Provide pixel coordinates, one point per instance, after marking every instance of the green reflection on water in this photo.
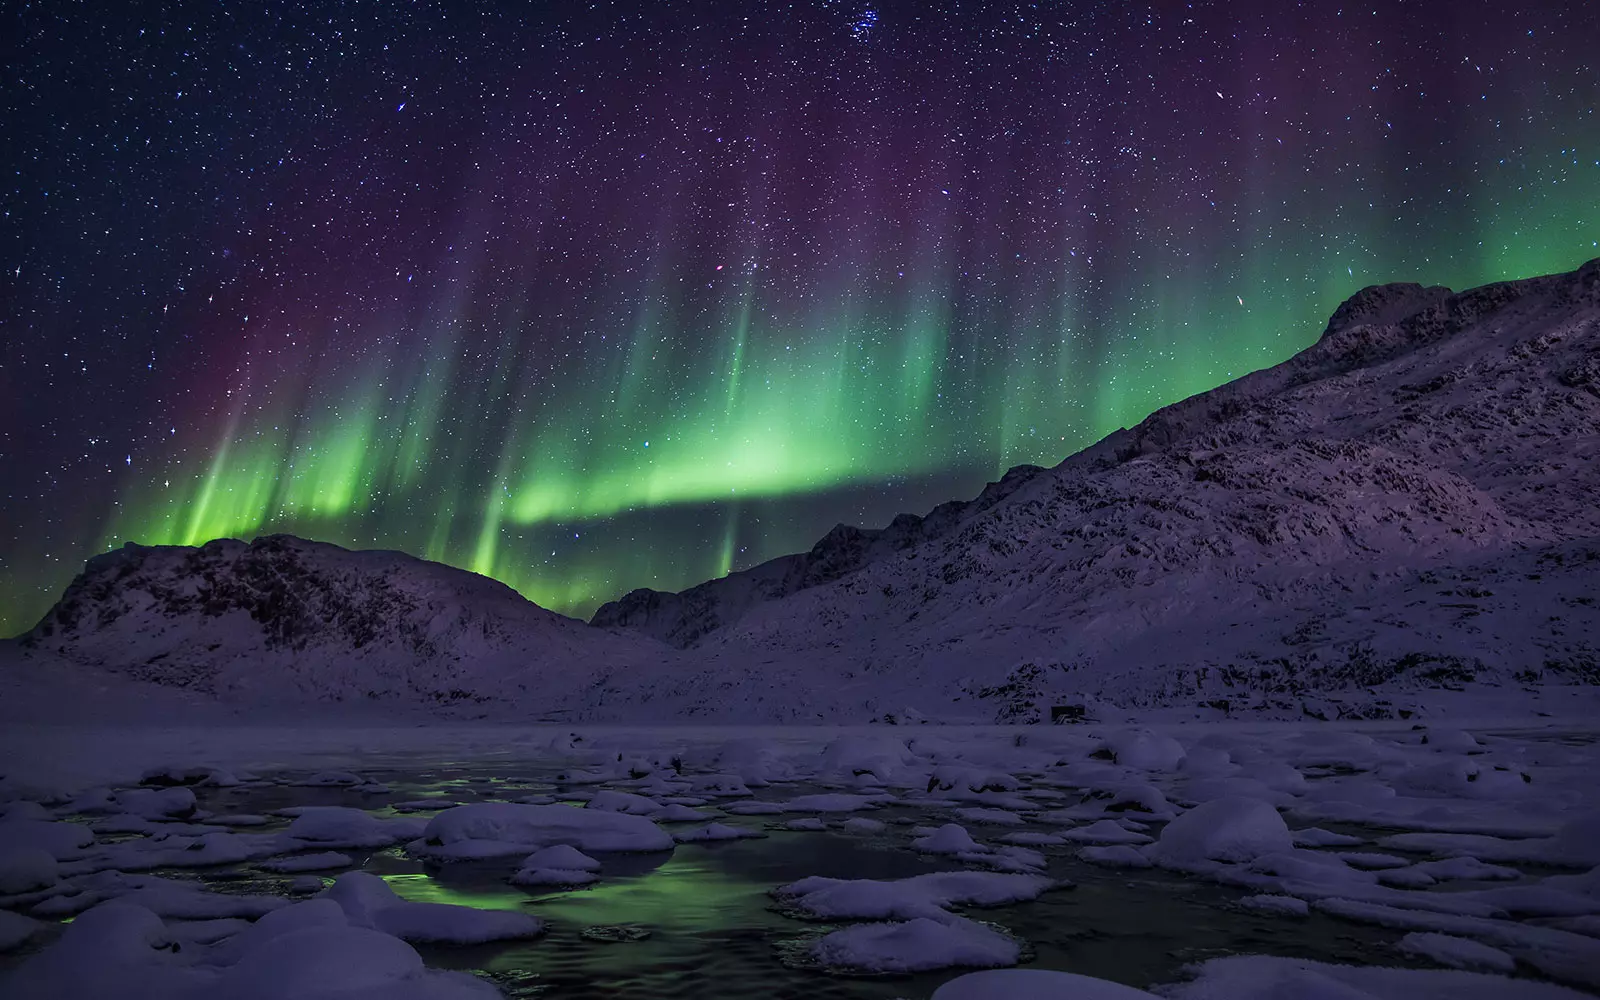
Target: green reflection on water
(685, 893)
(423, 888)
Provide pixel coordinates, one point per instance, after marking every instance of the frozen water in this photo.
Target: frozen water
(508, 881)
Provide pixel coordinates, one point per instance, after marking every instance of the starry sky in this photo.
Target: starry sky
(595, 296)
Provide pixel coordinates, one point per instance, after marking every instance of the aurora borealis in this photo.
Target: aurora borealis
(588, 297)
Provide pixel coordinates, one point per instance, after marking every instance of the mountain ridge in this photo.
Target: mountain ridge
(1304, 531)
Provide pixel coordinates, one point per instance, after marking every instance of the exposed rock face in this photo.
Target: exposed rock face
(282, 617)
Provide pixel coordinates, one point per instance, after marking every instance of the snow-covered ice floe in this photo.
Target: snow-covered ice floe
(1467, 854)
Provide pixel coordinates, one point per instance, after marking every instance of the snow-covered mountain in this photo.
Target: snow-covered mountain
(282, 619)
(1411, 502)
(1410, 505)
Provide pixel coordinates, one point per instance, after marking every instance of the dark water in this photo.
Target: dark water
(713, 929)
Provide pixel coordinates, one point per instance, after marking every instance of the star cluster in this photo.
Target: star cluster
(595, 296)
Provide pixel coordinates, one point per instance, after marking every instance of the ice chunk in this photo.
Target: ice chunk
(623, 802)
(883, 758)
(677, 813)
(1276, 904)
(1035, 984)
(1106, 831)
(909, 898)
(1120, 856)
(1143, 749)
(337, 962)
(1232, 830)
(951, 838)
(26, 869)
(62, 841)
(114, 950)
(16, 929)
(368, 901)
(157, 803)
(1451, 741)
(340, 826)
(1458, 953)
(561, 856)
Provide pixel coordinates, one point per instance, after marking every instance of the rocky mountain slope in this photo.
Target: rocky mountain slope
(1407, 509)
(284, 619)
(1331, 524)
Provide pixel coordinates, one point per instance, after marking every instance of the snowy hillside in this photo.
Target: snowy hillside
(1412, 503)
(1404, 512)
(283, 619)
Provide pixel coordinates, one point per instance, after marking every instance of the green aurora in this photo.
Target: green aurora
(653, 308)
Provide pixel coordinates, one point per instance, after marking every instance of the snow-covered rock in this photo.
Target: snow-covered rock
(1035, 984)
(281, 618)
(951, 838)
(1457, 953)
(367, 901)
(16, 929)
(561, 856)
(340, 826)
(1230, 830)
(25, 869)
(59, 840)
(909, 898)
(311, 953)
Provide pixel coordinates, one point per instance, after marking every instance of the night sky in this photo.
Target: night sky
(595, 296)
